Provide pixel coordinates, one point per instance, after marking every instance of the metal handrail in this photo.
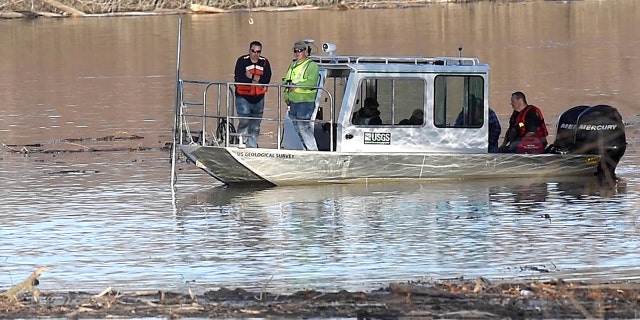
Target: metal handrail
(415, 60)
(229, 109)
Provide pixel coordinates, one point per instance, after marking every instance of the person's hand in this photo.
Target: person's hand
(511, 134)
(248, 74)
(552, 148)
(256, 78)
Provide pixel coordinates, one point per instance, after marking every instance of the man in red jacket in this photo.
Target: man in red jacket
(527, 131)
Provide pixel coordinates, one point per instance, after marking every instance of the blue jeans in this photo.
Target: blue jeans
(303, 111)
(249, 128)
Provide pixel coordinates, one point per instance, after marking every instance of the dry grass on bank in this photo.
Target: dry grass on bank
(63, 8)
(452, 299)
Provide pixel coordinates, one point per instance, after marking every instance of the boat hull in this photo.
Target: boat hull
(238, 166)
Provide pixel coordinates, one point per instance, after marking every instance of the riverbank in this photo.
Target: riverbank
(457, 298)
(22, 9)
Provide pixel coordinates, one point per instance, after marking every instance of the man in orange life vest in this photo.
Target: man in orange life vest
(251, 68)
(527, 131)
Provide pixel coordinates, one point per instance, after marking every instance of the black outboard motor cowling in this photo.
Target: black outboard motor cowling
(600, 130)
(566, 132)
(592, 130)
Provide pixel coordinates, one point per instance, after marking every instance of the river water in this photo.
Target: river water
(89, 104)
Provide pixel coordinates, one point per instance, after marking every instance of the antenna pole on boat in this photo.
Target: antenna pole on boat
(176, 110)
(460, 54)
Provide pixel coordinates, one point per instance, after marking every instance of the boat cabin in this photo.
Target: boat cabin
(424, 105)
(433, 105)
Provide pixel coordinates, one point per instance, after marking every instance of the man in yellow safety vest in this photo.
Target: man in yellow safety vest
(300, 96)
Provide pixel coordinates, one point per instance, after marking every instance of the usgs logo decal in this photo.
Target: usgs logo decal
(377, 138)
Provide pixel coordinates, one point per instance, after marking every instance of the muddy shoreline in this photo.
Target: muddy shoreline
(459, 298)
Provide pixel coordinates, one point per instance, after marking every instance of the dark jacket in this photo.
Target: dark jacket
(262, 68)
(366, 116)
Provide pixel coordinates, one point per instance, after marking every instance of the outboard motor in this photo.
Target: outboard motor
(600, 130)
(566, 132)
(592, 130)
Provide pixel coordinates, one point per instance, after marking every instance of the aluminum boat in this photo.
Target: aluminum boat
(589, 140)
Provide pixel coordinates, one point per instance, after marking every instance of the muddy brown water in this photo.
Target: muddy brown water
(108, 218)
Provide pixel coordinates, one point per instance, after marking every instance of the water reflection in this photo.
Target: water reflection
(518, 191)
(359, 235)
(106, 220)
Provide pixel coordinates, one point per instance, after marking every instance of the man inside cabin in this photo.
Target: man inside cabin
(251, 68)
(527, 131)
(303, 74)
(477, 114)
(416, 119)
(368, 114)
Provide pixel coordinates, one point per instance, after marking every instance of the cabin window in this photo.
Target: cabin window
(334, 85)
(401, 102)
(459, 101)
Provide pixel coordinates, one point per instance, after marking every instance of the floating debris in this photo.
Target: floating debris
(74, 145)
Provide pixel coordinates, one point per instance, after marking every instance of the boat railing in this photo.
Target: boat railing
(212, 121)
(416, 60)
(188, 98)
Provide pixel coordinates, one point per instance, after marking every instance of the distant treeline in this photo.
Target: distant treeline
(62, 8)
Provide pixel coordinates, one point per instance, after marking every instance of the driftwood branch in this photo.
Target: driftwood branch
(198, 8)
(28, 285)
(399, 288)
(12, 15)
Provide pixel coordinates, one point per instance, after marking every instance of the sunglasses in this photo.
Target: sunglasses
(256, 51)
(298, 50)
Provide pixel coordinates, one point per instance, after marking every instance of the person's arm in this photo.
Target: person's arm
(287, 75)
(532, 121)
(494, 126)
(266, 75)
(240, 72)
(458, 121)
(354, 117)
(510, 134)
